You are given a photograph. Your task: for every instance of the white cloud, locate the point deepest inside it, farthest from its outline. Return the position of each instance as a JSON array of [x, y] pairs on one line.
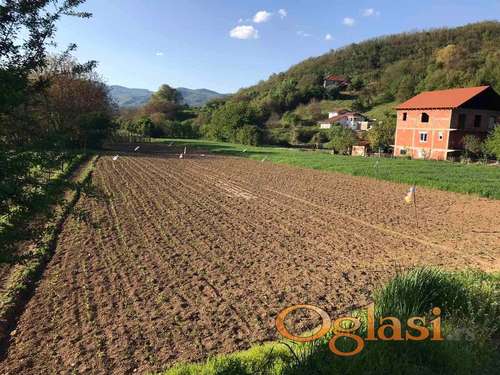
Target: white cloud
[[303, 34], [159, 53], [262, 16], [328, 36], [244, 32], [368, 12], [349, 21], [283, 13]]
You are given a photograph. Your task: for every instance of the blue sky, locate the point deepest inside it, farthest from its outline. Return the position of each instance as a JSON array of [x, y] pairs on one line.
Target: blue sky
[[228, 44]]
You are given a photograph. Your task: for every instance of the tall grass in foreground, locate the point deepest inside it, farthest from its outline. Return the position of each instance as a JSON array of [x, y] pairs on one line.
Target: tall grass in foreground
[[471, 321]]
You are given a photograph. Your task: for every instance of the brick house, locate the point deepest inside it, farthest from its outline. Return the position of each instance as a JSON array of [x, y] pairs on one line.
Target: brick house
[[432, 125]]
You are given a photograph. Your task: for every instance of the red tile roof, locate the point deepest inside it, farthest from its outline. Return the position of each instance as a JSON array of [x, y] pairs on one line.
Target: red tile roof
[[333, 77], [452, 98]]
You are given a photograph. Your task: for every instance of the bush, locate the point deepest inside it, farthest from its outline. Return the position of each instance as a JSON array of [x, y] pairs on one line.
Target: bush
[[301, 135], [278, 137], [492, 144], [341, 139], [473, 146], [415, 292], [248, 135], [319, 138]]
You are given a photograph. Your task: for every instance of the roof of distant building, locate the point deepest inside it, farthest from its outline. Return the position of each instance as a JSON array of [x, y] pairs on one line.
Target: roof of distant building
[[440, 99], [336, 78]]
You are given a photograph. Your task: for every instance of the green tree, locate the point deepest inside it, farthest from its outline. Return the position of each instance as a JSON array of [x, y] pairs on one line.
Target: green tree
[[291, 119], [341, 139], [248, 135], [319, 138], [27, 28], [473, 146], [168, 94], [166, 101], [227, 119], [381, 135], [94, 128], [492, 143], [145, 127]]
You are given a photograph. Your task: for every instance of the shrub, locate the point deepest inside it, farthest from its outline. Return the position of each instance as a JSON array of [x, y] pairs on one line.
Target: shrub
[[341, 139], [301, 135], [248, 135], [492, 144], [473, 146], [278, 137], [319, 138]]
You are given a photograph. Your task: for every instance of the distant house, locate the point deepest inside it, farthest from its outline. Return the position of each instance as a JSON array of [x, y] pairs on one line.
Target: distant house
[[432, 125], [336, 80], [353, 120]]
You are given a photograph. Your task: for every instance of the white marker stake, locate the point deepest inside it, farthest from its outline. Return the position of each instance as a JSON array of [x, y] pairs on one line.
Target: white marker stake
[[245, 150], [263, 160], [185, 149], [181, 156], [170, 144], [137, 148], [115, 158]]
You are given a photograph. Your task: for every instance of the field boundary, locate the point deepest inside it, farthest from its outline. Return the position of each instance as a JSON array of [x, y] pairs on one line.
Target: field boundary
[[23, 280], [473, 180]]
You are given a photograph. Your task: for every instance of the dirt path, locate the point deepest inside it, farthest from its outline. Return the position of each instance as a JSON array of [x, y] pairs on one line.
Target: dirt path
[[180, 259]]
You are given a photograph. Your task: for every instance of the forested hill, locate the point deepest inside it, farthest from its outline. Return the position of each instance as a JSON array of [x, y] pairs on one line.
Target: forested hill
[[285, 108], [399, 66]]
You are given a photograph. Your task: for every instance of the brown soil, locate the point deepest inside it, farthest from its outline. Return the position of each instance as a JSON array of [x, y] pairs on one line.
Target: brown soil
[[177, 260]]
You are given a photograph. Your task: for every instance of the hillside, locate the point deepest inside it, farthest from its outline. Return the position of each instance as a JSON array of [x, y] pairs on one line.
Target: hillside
[[399, 66], [198, 97], [129, 97], [382, 71]]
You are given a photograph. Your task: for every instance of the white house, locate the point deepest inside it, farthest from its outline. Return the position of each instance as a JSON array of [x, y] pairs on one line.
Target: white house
[[353, 120]]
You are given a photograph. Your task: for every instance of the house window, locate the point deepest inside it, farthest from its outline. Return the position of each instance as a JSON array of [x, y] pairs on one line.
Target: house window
[[425, 117], [477, 121], [402, 151], [440, 136], [423, 137], [405, 116], [462, 118]]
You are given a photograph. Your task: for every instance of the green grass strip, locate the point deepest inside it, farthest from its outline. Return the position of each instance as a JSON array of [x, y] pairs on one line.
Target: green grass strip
[[477, 179], [25, 275]]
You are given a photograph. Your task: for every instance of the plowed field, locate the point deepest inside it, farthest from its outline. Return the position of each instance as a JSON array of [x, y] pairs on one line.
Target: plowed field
[[178, 259]]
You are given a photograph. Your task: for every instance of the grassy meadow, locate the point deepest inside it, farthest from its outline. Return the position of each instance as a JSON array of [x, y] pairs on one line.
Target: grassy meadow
[[477, 179]]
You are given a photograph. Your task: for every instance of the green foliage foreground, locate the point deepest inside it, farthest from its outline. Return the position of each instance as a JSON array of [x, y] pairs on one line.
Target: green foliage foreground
[[471, 312], [478, 179]]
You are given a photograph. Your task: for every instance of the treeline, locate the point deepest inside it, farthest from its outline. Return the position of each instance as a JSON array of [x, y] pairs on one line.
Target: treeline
[[382, 70], [51, 107], [163, 115]]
